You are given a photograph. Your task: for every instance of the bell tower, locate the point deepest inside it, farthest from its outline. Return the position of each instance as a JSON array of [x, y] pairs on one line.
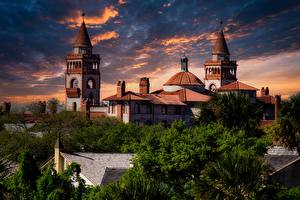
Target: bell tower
[[82, 76], [220, 70]]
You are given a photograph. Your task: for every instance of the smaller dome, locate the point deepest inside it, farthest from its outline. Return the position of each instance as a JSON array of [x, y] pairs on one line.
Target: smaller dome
[[184, 79]]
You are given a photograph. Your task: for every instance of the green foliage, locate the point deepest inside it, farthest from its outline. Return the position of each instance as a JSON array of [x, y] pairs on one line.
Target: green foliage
[[181, 153], [233, 110], [52, 105], [236, 175], [134, 187], [290, 122], [37, 108], [23, 183]]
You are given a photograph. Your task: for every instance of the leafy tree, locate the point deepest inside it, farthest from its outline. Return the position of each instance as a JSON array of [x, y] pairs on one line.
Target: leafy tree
[[23, 184], [37, 108], [52, 105], [290, 122], [233, 110], [133, 187], [236, 175], [65, 186]]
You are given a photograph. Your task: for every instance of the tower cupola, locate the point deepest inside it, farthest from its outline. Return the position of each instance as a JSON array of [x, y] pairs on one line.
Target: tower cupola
[[184, 63], [220, 50], [82, 43]]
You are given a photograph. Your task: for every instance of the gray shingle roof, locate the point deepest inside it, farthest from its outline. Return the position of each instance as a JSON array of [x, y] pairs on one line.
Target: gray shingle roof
[[279, 157], [98, 167]]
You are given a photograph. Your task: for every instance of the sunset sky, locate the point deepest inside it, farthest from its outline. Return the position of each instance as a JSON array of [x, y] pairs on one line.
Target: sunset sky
[[137, 38]]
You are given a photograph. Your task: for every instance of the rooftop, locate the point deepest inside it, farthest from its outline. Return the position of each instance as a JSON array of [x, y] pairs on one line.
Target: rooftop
[[236, 86], [97, 167]]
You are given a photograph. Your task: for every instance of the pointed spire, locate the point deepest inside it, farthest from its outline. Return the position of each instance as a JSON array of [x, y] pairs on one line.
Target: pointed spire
[[82, 38], [184, 63], [220, 46]]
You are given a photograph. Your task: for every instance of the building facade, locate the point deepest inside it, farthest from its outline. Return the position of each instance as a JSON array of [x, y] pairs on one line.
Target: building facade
[[82, 76], [177, 100], [220, 70]]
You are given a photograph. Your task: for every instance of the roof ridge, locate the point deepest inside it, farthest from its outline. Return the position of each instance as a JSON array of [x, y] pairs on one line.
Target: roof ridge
[[286, 165]]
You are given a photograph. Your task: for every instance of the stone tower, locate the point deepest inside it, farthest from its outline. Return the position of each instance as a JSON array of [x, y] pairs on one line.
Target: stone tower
[[220, 70], [82, 77]]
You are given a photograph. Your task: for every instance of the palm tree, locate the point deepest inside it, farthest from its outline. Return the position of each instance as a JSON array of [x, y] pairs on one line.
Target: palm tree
[[233, 110], [290, 122], [135, 188], [236, 175]]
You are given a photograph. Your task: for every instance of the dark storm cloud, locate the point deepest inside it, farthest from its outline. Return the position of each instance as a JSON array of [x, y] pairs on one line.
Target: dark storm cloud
[[34, 40]]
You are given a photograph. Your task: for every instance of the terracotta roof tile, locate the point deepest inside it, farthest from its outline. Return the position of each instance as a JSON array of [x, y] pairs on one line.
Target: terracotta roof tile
[[163, 99], [184, 78], [235, 86], [187, 95], [267, 99]]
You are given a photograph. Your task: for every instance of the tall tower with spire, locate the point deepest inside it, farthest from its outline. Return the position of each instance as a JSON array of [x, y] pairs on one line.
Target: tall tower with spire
[[220, 70], [82, 76]]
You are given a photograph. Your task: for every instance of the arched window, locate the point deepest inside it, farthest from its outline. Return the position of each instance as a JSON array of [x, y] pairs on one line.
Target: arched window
[[91, 83], [74, 83], [74, 106]]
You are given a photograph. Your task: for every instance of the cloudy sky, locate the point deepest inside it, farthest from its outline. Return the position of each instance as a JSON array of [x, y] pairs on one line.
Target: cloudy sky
[[138, 38]]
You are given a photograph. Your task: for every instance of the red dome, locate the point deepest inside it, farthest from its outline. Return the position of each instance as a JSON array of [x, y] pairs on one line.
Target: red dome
[[184, 79]]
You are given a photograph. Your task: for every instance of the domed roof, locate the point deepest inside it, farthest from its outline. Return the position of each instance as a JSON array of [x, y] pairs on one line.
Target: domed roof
[[184, 79]]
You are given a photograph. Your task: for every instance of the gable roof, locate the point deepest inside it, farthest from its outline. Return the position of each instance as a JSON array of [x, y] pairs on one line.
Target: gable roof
[[279, 157], [127, 96], [95, 165], [164, 99], [187, 95], [236, 86]]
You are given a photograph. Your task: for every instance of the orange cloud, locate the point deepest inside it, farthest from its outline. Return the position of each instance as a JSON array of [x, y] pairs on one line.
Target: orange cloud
[[104, 16], [120, 2], [104, 36], [182, 40], [60, 95], [139, 65]]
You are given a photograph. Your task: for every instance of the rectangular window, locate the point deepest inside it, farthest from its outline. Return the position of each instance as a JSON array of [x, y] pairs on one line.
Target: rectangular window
[[164, 110]]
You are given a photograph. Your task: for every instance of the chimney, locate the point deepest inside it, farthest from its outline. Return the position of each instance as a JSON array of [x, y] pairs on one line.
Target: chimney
[[58, 159], [6, 107], [277, 107], [262, 91], [144, 85], [120, 88], [267, 91]]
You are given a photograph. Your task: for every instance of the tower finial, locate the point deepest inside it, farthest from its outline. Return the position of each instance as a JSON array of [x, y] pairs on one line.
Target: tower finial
[[221, 25], [82, 15]]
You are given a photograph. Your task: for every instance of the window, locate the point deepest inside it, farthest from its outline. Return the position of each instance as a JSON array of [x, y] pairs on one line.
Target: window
[[137, 108], [149, 108], [91, 83], [91, 98], [74, 83], [125, 108], [164, 110], [177, 110], [112, 108], [74, 106]]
